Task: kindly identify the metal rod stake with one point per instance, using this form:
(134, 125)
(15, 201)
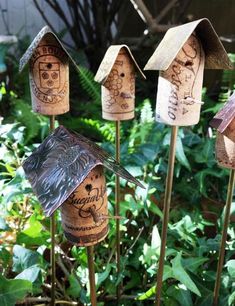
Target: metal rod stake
(224, 236)
(166, 209)
(52, 231)
(90, 257)
(117, 208)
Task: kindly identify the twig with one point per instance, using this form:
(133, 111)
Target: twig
(134, 242)
(165, 10)
(146, 16)
(44, 299)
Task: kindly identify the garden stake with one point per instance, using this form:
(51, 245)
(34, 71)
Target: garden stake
(90, 256)
(49, 86)
(52, 233)
(117, 76)
(180, 57)
(166, 210)
(223, 121)
(117, 209)
(224, 236)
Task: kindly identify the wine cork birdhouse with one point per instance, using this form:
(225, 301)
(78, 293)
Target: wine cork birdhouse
(117, 76)
(66, 172)
(48, 73)
(224, 123)
(224, 120)
(181, 57)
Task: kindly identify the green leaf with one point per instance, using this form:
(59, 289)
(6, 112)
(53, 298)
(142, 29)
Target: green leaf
(88, 84)
(231, 267)
(205, 152)
(5, 256)
(13, 290)
(101, 277)
(156, 239)
(192, 264)
(181, 275)
(75, 288)
(35, 234)
(180, 155)
(24, 258)
(31, 274)
(231, 300)
(180, 294)
(201, 178)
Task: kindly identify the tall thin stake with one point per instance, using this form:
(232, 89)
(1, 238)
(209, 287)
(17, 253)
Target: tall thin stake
(90, 256)
(166, 209)
(117, 209)
(52, 230)
(224, 236)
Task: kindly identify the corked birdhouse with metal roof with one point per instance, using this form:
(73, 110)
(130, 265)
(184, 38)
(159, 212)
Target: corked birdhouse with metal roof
(224, 123)
(181, 57)
(224, 120)
(66, 172)
(48, 73)
(117, 75)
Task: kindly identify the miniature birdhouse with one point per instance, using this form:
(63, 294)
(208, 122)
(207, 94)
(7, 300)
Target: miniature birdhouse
(181, 57)
(224, 120)
(66, 172)
(48, 73)
(117, 75)
(225, 151)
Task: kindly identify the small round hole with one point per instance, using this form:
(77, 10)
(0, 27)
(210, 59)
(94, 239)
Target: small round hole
(88, 187)
(122, 75)
(49, 65)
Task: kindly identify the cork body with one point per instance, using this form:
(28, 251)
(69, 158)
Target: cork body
(180, 86)
(118, 91)
(49, 78)
(230, 131)
(83, 213)
(225, 151)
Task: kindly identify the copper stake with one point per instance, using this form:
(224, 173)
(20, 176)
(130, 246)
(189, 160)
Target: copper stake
(90, 255)
(117, 209)
(224, 236)
(166, 209)
(52, 230)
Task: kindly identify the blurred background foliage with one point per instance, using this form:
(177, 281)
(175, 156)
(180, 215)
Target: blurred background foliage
(199, 190)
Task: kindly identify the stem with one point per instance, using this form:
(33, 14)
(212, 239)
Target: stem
(117, 209)
(90, 255)
(224, 236)
(167, 204)
(52, 230)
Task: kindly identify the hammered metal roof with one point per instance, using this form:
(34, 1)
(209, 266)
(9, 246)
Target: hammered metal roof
(176, 37)
(29, 52)
(60, 164)
(224, 117)
(109, 60)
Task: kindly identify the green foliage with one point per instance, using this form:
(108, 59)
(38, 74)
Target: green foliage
(13, 290)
